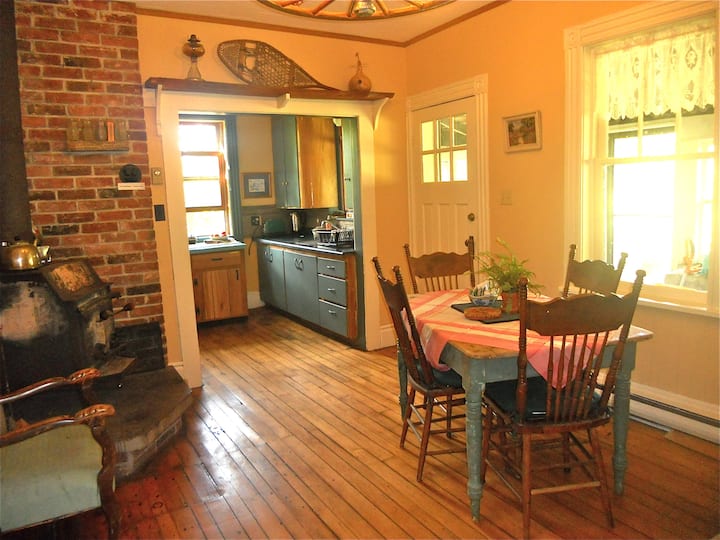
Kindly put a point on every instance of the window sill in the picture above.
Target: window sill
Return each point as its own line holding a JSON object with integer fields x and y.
{"x": 678, "y": 308}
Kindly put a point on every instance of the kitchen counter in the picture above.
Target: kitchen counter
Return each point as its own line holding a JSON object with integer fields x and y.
{"x": 215, "y": 247}
{"x": 305, "y": 242}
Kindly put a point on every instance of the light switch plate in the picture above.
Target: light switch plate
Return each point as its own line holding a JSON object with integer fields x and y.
{"x": 156, "y": 175}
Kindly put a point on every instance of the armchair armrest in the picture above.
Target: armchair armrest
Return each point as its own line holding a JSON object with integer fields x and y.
{"x": 82, "y": 377}
{"x": 93, "y": 416}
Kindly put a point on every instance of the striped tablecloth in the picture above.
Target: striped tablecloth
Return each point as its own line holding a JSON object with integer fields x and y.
{"x": 438, "y": 323}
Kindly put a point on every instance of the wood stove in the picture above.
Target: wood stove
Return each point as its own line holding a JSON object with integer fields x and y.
{"x": 55, "y": 320}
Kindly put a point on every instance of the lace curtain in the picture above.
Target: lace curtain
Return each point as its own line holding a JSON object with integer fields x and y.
{"x": 666, "y": 71}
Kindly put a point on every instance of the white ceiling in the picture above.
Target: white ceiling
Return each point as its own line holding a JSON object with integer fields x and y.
{"x": 396, "y": 30}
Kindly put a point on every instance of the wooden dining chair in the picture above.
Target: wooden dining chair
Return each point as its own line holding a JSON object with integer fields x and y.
{"x": 536, "y": 425}
{"x": 442, "y": 270}
{"x": 592, "y": 275}
{"x": 441, "y": 392}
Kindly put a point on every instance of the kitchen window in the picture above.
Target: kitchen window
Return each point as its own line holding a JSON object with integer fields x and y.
{"x": 204, "y": 171}
{"x": 643, "y": 150}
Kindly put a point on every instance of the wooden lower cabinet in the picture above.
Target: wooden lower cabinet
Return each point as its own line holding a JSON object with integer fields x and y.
{"x": 219, "y": 285}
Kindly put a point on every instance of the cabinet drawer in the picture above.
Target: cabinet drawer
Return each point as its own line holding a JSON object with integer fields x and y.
{"x": 333, "y": 317}
{"x": 331, "y": 267}
{"x": 208, "y": 261}
{"x": 332, "y": 289}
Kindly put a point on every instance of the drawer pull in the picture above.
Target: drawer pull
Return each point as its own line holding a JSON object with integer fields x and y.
{"x": 329, "y": 267}
{"x": 331, "y": 312}
{"x": 299, "y": 264}
{"x": 215, "y": 259}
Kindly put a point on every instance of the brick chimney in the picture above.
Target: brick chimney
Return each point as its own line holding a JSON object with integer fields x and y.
{"x": 78, "y": 61}
{"x": 14, "y": 202}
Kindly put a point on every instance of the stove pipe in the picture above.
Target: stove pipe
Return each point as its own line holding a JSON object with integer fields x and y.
{"x": 15, "y": 221}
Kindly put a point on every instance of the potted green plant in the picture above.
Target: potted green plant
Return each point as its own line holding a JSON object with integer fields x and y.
{"x": 504, "y": 270}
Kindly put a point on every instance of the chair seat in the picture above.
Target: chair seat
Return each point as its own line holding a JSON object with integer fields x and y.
{"x": 448, "y": 378}
{"x": 39, "y": 470}
{"x": 503, "y": 396}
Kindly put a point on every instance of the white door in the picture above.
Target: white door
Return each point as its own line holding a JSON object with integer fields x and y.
{"x": 448, "y": 180}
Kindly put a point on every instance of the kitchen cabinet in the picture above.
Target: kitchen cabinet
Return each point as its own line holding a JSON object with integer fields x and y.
{"x": 350, "y": 161}
{"x": 301, "y": 286}
{"x": 305, "y": 162}
{"x": 319, "y": 287}
{"x": 219, "y": 285}
{"x": 337, "y": 294}
{"x": 271, "y": 273}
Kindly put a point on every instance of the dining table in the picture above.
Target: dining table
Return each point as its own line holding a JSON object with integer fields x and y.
{"x": 486, "y": 351}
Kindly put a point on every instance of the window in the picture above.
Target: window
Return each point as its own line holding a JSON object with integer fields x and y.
{"x": 643, "y": 151}
{"x": 444, "y": 149}
{"x": 204, "y": 173}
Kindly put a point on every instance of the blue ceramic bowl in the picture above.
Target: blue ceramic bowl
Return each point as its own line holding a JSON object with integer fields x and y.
{"x": 484, "y": 300}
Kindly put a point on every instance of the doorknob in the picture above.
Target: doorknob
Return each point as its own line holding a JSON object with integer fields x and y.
{"x": 471, "y": 217}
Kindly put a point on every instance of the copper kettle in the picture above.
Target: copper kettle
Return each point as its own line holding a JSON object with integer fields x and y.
{"x": 20, "y": 255}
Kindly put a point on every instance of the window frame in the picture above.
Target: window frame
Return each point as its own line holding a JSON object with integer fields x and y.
{"x": 220, "y": 130}
{"x": 581, "y": 134}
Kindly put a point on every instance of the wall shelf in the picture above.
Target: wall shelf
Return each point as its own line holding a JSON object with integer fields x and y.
{"x": 97, "y": 146}
{"x": 282, "y": 93}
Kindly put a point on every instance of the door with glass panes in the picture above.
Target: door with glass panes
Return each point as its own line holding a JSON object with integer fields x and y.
{"x": 444, "y": 182}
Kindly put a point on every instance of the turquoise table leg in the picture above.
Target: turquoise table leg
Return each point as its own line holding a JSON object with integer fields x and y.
{"x": 621, "y": 416}
{"x": 473, "y": 412}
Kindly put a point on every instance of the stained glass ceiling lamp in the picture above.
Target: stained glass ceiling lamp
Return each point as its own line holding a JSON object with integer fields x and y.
{"x": 353, "y": 10}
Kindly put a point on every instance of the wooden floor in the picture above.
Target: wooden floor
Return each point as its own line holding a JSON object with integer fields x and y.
{"x": 294, "y": 435}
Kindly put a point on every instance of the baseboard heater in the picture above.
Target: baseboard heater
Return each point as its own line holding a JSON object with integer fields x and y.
{"x": 676, "y": 410}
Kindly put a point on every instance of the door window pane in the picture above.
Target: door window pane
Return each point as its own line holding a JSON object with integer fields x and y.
{"x": 427, "y": 130}
{"x": 460, "y": 130}
{"x": 428, "y": 168}
{"x": 444, "y": 132}
{"x": 460, "y": 166}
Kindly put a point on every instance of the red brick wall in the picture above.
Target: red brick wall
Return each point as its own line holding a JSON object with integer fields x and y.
{"x": 78, "y": 60}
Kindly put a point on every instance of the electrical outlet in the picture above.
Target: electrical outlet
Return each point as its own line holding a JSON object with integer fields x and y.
{"x": 255, "y": 221}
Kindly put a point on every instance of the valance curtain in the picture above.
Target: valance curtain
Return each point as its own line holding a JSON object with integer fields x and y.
{"x": 665, "y": 71}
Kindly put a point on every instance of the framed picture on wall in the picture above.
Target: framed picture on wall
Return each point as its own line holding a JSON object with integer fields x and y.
{"x": 256, "y": 184}
{"x": 523, "y": 132}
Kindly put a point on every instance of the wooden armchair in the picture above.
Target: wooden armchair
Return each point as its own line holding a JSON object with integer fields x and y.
{"x": 592, "y": 276}
{"x": 59, "y": 466}
{"x": 441, "y": 270}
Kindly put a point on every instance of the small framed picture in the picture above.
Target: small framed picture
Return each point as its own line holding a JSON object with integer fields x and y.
{"x": 256, "y": 185}
{"x": 523, "y": 132}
